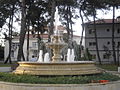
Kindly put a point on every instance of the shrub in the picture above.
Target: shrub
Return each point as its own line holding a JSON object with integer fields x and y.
{"x": 9, "y": 77}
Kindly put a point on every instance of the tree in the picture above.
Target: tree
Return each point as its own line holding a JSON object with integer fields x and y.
{"x": 67, "y": 14}
{"x": 90, "y": 8}
{"x": 1, "y": 52}
{"x": 81, "y": 9}
{"x": 113, "y": 31}
{"x": 114, "y": 4}
{"x": 7, "y": 10}
{"x": 38, "y": 17}
{"x": 96, "y": 40}
{"x": 107, "y": 52}
{"x": 87, "y": 55}
{"x": 53, "y": 7}
{"x": 22, "y": 31}
{"x": 34, "y": 15}
{"x": 118, "y": 54}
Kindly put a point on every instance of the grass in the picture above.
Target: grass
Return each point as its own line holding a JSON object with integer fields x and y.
{"x": 7, "y": 64}
{"x": 9, "y": 77}
{"x": 109, "y": 67}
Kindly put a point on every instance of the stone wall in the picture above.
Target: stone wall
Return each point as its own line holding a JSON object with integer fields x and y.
{"x": 92, "y": 86}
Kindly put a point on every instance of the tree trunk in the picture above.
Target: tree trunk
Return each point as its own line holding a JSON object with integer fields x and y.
{"x": 80, "y": 12}
{"x": 113, "y": 31}
{"x": 118, "y": 54}
{"x": 95, "y": 33}
{"x": 27, "y": 58}
{"x": 22, "y": 33}
{"x": 70, "y": 19}
{"x": 10, "y": 36}
{"x": 67, "y": 25}
{"x": 50, "y": 31}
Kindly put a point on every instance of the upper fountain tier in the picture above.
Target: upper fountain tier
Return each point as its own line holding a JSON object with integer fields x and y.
{"x": 56, "y": 45}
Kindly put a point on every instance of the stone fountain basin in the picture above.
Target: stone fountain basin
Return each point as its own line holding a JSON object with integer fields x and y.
{"x": 57, "y": 68}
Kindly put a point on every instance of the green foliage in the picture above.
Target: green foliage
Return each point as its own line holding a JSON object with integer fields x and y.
{"x": 9, "y": 77}
{"x": 109, "y": 67}
{"x": 87, "y": 55}
{"x": 1, "y": 52}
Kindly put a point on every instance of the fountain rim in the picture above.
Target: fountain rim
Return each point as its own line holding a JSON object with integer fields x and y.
{"x": 52, "y": 63}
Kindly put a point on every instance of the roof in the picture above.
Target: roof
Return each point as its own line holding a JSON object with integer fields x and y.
{"x": 45, "y": 35}
{"x": 35, "y": 36}
{"x": 103, "y": 21}
{"x": 61, "y": 28}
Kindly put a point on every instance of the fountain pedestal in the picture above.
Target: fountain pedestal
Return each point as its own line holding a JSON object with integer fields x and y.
{"x": 56, "y": 45}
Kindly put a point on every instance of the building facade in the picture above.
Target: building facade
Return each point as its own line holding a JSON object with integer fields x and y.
{"x": 33, "y": 45}
{"x": 104, "y": 37}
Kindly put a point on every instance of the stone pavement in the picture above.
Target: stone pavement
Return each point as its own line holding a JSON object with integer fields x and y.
{"x": 5, "y": 69}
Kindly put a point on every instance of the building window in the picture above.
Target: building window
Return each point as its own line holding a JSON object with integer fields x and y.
{"x": 119, "y": 43}
{"x": 34, "y": 44}
{"x": 118, "y": 30}
{"x": 105, "y": 56}
{"x": 92, "y": 43}
{"x": 14, "y": 46}
{"x": 90, "y": 31}
{"x": 108, "y": 30}
{"x": 35, "y": 53}
{"x": 108, "y": 42}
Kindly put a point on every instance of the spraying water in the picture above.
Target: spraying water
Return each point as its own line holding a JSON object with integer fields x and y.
{"x": 40, "y": 59}
{"x": 68, "y": 56}
{"x": 72, "y": 55}
{"x": 46, "y": 57}
{"x": 56, "y": 19}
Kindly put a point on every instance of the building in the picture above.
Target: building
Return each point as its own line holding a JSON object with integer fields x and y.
{"x": 33, "y": 44}
{"x": 104, "y": 37}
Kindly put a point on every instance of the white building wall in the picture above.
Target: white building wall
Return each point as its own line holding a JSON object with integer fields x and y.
{"x": 33, "y": 49}
{"x": 104, "y": 38}
{"x": 14, "y": 58}
{"x": 6, "y": 49}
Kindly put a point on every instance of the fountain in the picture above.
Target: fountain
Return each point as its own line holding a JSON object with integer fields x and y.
{"x": 68, "y": 55}
{"x": 56, "y": 45}
{"x": 40, "y": 58}
{"x": 56, "y": 66}
{"x": 46, "y": 57}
